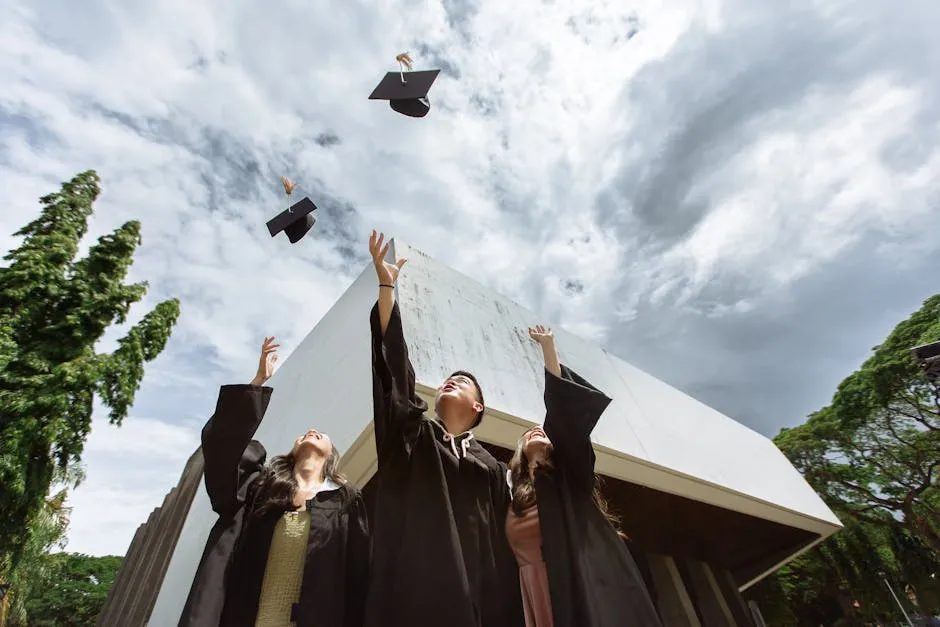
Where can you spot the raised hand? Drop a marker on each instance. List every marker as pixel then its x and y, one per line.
pixel 386 272
pixel 542 335
pixel 266 362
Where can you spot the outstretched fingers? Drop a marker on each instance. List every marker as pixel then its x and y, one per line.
pixel 269 345
pixel 540 332
pixel 376 248
pixel 387 271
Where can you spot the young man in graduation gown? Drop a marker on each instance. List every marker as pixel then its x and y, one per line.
pixel 440 555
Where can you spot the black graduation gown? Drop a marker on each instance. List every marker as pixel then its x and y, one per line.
pixel 227 585
pixel 593 579
pixel 440 555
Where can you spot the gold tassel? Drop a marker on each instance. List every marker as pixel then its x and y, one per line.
pixel 288 185
pixel 405 59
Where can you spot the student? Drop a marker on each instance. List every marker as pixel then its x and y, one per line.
pixel 291 544
pixel 440 555
pixel 574 568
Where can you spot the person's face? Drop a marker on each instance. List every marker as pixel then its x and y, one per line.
pixel 457 392
pixel 313 442
pixel 535 443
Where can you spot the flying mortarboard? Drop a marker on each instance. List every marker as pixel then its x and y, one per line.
pixel 407 92
pixel 296 220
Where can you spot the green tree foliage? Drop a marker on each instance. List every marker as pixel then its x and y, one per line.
pixel 53 309
pixel 919 569
pixel 822 586
pixel 75 595
pixel 46 532
pixel 875 450
pixel 873 454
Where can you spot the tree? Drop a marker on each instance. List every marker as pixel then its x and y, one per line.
pixel 77 593
pixel 32 572
pixel 53 309
pixel 873 454
pixel 824 585
pixel 920 568
pixel 875 450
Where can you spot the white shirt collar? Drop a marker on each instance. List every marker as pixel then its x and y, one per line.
pixel 328 485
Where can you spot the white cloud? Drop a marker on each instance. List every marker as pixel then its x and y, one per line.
pixel 129 470
pixel 812 184
pixel 191 110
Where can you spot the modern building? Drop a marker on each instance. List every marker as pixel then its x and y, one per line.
pixel 710 506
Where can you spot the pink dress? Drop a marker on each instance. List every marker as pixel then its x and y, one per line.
pixel 525 537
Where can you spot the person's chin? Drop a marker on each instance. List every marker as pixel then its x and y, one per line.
pixel 446 398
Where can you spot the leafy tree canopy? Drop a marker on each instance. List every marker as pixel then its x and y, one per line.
pixel 53 310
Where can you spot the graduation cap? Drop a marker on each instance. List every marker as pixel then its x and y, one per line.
pixel 407 92
pixel 296 220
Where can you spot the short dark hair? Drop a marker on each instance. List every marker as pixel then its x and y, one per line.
pixel 476 384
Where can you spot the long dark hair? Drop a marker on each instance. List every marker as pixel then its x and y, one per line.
pixel 523 487
pixel 274 488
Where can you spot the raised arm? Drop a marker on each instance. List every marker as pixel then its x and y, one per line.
pixel 231 456
pixel 387 274
pixel 572 408
pixel 397 409
pixel 544 337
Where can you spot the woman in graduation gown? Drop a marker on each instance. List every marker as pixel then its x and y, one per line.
pixel 291 544
pixel 574 568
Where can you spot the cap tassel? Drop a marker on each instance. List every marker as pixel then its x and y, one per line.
pixel 404 61
pixel 288 188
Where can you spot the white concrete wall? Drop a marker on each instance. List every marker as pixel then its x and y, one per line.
pixel 452 322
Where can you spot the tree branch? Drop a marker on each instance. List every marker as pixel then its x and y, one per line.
pixel 867 459
pixel 871 496
pixel 890 425
pixel 913 402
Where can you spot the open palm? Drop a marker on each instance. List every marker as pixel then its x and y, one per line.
pixel 386 272
pixel 541 334
pixel 268 359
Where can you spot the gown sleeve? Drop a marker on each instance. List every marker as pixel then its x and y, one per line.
pixel 358 561
pixel 231 456
pixel 572 408
pixel 397 409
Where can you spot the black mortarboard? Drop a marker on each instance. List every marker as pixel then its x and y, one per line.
pixel 409 97
pixel 295 221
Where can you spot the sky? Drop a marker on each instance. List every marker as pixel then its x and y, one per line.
pixel 740 198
